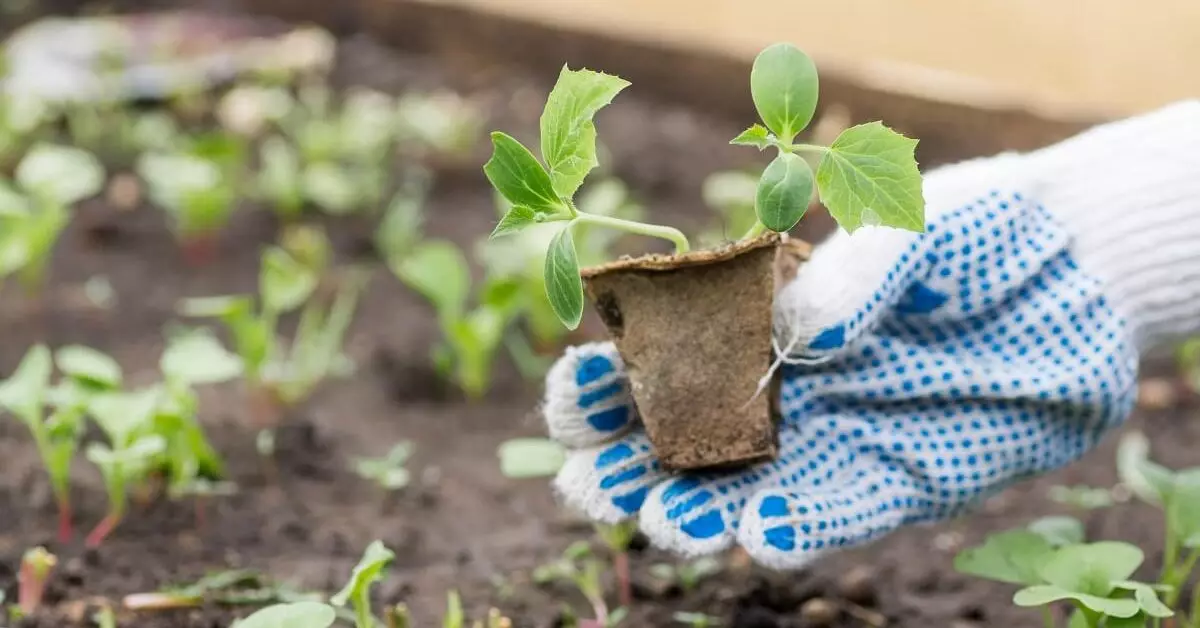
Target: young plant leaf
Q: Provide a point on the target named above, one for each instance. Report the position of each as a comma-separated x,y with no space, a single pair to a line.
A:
199,358
1152,483
784,192
88,365
783,84
330,187
438,270
564,287
23,392
568,132
1015,556
60,174
294,615
530,458
1091,568
515,220
1043,594
516,173
871,170
757,136
1146,597
284,281
367,572
123,414
1059,530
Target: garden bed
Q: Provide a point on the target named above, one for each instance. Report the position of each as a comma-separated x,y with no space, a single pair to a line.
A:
460,525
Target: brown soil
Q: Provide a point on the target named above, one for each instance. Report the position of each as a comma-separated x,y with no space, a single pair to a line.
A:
461,526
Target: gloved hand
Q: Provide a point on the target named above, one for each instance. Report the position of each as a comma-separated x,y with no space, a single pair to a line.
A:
935,368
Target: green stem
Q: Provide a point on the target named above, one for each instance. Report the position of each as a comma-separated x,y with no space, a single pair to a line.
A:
809,148
756,230
362,609
1090,616
1178,576
655,231
1047,617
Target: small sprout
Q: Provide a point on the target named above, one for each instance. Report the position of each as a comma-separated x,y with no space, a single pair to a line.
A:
1082,497
195,191
105,617
1059,531
126,418
36,565
454,617
295,615
357,592
387,471
399,231
696,620
248,109
688,575
397,616
442,123
280,179
522,458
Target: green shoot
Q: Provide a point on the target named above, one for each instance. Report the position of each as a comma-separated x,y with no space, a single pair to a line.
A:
279,181
438,270
36,565
399,231
687,575
868,175
1082,497
454,617
27,394
247,110
696,620
357,592
126,419
579,568
522,458
387,471
51,179
441,124
196,191
105,617
294,615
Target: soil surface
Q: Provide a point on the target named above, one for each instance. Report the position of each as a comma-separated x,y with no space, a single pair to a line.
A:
461,525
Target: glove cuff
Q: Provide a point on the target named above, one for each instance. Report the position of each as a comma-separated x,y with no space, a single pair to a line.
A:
1129,193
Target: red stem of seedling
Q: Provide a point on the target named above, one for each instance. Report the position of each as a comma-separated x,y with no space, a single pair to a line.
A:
624,584
102,530
199,250
31,579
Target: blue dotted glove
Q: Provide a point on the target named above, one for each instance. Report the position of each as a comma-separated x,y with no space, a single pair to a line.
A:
946,366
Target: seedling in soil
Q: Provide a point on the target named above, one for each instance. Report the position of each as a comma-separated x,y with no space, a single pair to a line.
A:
28,395
36,566
580,569
197,193
50,179
280,178
357,592
653,305
1082,497
229,588
400,230
388,471
438,270
438,127
688,575
126,460
696,620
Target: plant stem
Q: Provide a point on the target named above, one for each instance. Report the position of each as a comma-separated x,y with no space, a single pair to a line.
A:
756,230
1048,617
64,519
115,482
624,584
655,231
362,609
809,148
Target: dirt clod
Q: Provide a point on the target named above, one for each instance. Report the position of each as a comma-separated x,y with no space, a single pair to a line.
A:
857,585
818,613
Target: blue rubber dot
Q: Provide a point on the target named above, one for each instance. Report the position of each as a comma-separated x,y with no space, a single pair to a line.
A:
781,538
591,398
613,455
705,526
831,338
609,420
631,502
773,506
593,368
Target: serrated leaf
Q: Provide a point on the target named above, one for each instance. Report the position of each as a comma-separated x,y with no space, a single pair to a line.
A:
517,175
89,365
295,615
515,220
438,270
62,174
564,287
1014,556
783,84
199,358
870,169
368,571
530,457
757,136
568,133
784,192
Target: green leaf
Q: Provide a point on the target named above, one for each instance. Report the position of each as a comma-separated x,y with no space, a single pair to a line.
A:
400,229
214,307
331,188
516,174
1042,594
1059,530
61,174
199,358
89,365
295,615
1091,568
757,136
368,571
530,457
568,132
284,281
515,220
783,83
279,176
1137,621
24,391
1082,497
123,414
564,287
869,175
438,270
1146,597
1014,556
784,192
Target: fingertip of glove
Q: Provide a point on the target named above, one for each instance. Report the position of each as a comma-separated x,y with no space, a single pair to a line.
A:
587,398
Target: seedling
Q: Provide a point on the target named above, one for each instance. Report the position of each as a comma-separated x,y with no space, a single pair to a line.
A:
387,471
27,394
127,459
1082,497
400,229
228,588
280,181
696,620
715,302
522,458
247,110
579,568
442,125
36,566
688,575
357,592
197,193
470,337
50,179
294,615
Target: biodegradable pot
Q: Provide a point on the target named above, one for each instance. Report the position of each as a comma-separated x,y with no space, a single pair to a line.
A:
694,331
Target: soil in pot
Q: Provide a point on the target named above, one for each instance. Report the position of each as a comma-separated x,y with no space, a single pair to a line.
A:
694,331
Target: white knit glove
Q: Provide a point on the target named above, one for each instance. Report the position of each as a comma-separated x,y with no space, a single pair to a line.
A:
1000,344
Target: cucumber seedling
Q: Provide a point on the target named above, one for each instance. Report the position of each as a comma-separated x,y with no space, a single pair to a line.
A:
867,176
50,179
